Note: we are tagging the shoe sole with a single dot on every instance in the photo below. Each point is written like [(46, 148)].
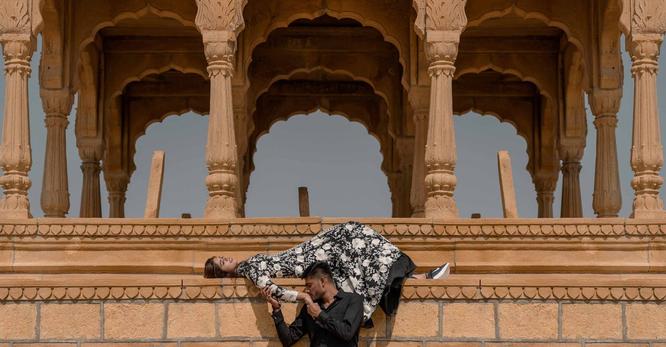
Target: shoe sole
[(444, 273)]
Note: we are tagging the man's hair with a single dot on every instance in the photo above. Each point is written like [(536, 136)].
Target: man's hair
[(318, 270)]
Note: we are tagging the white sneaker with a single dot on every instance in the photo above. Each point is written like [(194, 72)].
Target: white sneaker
[(440, 272)]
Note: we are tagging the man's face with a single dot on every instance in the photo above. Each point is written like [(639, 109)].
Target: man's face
[(315, 286)]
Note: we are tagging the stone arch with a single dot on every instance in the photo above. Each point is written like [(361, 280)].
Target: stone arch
[(488, 112), (282, 19), (156, 112), (265, 86), (358, 111), (573, 35), (546, 90), (535, 121), (110, 17), (140, 72), (283, 113)]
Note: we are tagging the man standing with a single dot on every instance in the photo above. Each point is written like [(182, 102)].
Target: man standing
[(330, 318)]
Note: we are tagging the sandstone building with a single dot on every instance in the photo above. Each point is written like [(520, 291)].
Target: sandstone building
[(403, 68)]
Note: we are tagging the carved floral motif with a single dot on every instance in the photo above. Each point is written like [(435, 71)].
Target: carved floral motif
[(14, 16), (649, 16)]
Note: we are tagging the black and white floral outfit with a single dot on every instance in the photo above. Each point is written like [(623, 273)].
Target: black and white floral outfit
[(360, 260)]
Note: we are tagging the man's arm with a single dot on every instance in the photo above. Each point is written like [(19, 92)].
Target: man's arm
[(346, 328), (289, 334)]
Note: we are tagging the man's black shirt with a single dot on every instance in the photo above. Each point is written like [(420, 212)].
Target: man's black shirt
[(337, 325)]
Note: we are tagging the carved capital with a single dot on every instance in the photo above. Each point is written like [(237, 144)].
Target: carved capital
[(14, 16), (219, 48), (17, 54), (649, 16), (572, 150), (605, 101), (220, 15), (116, 183), (90, 149), (447, 15), (545, 183), (57, 102), (644, 52), (442, 46)]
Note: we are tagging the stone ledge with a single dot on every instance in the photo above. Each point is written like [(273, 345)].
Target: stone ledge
[(109, 287), (276, 227)]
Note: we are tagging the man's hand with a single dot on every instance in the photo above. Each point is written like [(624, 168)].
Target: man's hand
[(266, 293), (307, 299), (314, 310)]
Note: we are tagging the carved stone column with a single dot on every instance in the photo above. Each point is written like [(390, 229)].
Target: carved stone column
[(221, 153), (55, 191), (607, 198), (15, 151), (439, 23), (116, 185), (91, 152), (646, 151), (571, 201), (219, 24), (417, 196), (545, 188)]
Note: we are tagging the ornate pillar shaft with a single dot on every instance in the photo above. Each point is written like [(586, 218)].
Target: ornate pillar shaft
[(91, 201), (646, 150), (545, 188), (219, 23), (55, 190), (571, 200), (221, 152), (417, 194), (439, 23), (607, 198), (440, 153), (116, 184), (15, 151)]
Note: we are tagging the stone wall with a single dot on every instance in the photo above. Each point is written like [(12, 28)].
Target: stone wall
[(88, 282), (432, 313)]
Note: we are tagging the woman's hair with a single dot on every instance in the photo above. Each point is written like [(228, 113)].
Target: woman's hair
[(211, 270)]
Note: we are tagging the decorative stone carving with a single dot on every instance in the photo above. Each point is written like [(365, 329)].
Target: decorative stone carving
[(306, 227), (572, 134), (116, 185), (14, 17), (649, 17), (55, 192), (439, 15), (15, 151), (444, 21), (607, 198), (91, 151), (647, 155), (219, 23), (571, 154), (545, 187)]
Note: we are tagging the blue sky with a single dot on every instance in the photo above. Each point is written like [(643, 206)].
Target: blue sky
[(336, 159)]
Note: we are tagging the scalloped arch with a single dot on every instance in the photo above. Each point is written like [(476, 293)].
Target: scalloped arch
[(508, 71), (136, 15), (175, 113), (284, 23), (154, 71), (525, 14), (287, 116), (496, 115), (343, 72)]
